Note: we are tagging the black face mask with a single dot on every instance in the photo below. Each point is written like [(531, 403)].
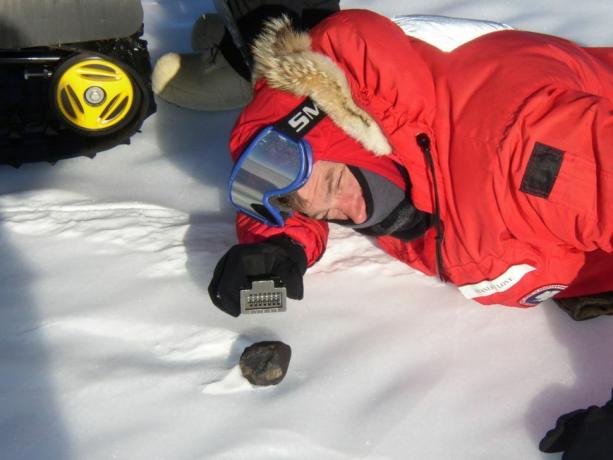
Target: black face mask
[(405, 223), (390, 210)]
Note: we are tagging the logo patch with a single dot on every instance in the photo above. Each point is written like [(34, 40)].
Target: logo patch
[(541, 294)]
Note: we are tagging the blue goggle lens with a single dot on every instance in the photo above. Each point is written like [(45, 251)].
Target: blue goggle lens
[(272, 165)]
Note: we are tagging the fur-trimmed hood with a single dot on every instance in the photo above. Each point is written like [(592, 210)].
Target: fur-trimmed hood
[(366, 74), (284, 58)]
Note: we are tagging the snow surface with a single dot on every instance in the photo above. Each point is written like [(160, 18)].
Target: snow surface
[(111, 349)]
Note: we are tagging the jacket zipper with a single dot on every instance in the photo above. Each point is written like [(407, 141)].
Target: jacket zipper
[(424, 144)]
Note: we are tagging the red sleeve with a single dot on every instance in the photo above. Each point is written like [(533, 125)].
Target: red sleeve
[(528, 281), (578, 211), (311, 234), (557, 232)]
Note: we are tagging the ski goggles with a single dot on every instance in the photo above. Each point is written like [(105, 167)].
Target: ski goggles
[(277, 162)]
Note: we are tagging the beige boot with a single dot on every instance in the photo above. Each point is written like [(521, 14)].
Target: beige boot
[(204, 80), (199, 82)]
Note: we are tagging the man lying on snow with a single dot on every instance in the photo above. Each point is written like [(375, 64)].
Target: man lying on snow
[(489, 166)]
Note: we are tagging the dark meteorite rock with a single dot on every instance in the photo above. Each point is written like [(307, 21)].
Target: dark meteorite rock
[(265, 363)]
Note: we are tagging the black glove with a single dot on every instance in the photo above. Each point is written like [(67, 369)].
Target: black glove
[(278, 257), (584, 434)]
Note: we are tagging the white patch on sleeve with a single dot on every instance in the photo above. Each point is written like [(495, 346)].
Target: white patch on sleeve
[(506, 281)]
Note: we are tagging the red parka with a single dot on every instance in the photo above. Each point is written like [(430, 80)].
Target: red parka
[(521, 132)]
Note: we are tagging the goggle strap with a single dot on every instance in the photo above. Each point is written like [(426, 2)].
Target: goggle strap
[(300, 121)]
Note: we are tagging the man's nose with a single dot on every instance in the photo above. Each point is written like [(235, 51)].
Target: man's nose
[(351, 209)]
